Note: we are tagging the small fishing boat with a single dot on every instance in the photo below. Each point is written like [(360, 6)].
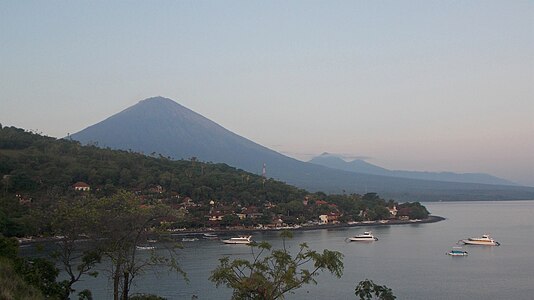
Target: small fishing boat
[(484, 240), (457, 251), (210, 236), (243, 239), (364, 237), (188, 239), (145, 247)]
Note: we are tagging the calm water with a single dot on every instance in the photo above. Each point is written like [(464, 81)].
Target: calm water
[(410, 259)]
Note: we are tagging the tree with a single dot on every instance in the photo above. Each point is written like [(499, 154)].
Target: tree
[(382, 213), (123, 225), (367, 288), (73, 220), (229, 220), (13, 286), (21, 278), (273, 273), (42, 274)]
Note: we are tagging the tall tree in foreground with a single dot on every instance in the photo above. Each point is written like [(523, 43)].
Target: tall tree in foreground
[(74, 220), (273, 273), (123, 222)]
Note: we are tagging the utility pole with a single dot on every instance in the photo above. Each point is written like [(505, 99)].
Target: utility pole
[(263, 173)]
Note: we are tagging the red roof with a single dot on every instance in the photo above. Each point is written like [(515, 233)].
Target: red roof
[(80, 184)]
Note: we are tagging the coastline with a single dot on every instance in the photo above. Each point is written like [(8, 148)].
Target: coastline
[(430, 219), (237, 231)]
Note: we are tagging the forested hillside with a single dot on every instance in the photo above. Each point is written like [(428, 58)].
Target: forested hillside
[(42, 166), (39, 172)]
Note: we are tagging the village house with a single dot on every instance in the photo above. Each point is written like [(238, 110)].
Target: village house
[(276, 223), (24, 200), (158, 189), (393, 211), (81, 186), (252, 212), (216, 216), (330, 218), (188, 202), (320, 202), (269, 205)]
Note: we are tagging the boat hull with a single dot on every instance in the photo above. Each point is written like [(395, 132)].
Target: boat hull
[(356, 239), (145, 247), (481, 243), (236, 242), (244, 240)]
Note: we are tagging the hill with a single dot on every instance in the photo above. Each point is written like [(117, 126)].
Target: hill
[(361, 166), (46, 168), (40, 173), (161, 126)]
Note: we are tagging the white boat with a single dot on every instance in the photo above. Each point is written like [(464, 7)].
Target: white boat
[(210, 236), (484, 240), (244, 239), (457, 251), (365, 237), (187, 239), (145, 247)]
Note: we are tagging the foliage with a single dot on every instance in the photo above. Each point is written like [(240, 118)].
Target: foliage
[(9, 248), (13, 286), (14, 217), (41, 273), (37, 274), (367, 288), (273, 273), (121, 223), (413, 210), (42, 165), (74, 220)]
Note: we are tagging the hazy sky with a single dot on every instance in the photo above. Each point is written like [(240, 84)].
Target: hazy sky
[(417, 85)]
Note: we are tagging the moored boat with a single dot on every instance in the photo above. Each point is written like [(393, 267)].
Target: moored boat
[(364, 237), (243, 239), (188, 239), (210, 236), (484, 240), (457, 251), (145, 247)]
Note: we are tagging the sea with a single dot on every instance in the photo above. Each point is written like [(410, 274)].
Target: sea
[(410, 259)]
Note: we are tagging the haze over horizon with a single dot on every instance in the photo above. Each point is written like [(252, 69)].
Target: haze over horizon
[(414, 85)]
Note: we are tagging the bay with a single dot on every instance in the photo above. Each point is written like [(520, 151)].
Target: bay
[(409, 258)]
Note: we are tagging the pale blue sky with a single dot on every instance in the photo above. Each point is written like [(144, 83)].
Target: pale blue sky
[(418, 85)]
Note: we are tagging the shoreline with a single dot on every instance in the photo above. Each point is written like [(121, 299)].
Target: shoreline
[(234, 231), (430, 219)]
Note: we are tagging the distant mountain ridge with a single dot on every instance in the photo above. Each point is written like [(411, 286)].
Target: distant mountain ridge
[(161, 126), (361, 166)]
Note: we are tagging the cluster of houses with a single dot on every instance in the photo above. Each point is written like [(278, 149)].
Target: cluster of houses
[(217, 212)]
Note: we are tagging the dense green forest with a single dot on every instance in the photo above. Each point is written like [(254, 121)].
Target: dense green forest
[(36, 171), (45, 167)]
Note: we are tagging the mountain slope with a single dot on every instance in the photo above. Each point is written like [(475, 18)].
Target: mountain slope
[(165, 127), (161, 126), (361, 166)]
